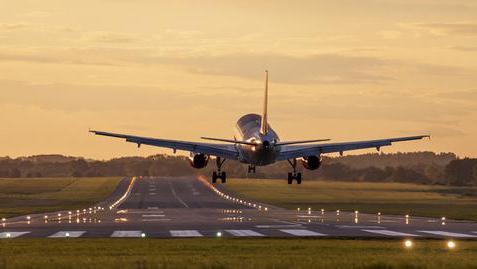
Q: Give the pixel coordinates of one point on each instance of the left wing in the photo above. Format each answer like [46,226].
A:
[292,152]
[225,151]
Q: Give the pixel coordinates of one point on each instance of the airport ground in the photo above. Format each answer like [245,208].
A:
[167,222]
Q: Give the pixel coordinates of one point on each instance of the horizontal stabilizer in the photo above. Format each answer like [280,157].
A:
[300,142]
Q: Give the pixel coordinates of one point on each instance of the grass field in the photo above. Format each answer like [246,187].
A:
[387,198]
[34,195]
[232,253]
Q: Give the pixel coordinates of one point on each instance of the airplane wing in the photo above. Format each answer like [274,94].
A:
[291,152]
[225,151]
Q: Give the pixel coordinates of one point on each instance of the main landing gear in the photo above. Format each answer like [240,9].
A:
[219,174]
[294,175]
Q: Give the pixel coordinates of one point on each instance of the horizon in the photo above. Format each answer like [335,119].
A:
[340,70]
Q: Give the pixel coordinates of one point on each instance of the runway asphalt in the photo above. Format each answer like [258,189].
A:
[166,207]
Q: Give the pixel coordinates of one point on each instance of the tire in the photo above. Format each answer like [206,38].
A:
[214,177]
[298,178]
[223,177]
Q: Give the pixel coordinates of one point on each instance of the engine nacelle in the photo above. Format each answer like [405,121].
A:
[311,162]
[199,161]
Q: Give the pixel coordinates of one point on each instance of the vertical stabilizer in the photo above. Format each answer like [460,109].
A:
[264,123]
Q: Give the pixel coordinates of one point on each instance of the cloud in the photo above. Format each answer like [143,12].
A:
[110,37]
[465,48]
[455,28]
[325,68]
[13,26]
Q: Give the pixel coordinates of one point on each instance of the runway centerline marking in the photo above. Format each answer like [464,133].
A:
[301,232]
[390,233]
[176,196]
[244,233]
[153,215]
[185,233]
[12,234]
[65,234]
[126,234]
[449,234]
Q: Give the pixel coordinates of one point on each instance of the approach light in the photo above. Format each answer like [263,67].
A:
[219,234]
[451,244]
[67,234]
[408,243]
[143,235]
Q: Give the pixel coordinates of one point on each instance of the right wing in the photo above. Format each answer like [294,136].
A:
[292,152]
[225,151]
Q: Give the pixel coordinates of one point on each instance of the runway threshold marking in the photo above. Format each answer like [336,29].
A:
[244,233]
[389,233]
[300,232]
[64,234]
[12,234]
[126,234]
[185,233]
[449,234]
[176,196]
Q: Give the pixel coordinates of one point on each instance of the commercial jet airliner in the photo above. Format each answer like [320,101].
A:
[257,144]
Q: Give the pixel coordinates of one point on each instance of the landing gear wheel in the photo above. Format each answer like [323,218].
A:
[214,177]
[223,176]
[294,174]
[219,174]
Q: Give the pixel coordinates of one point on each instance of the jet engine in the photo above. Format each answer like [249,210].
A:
[311,162]
[199,161]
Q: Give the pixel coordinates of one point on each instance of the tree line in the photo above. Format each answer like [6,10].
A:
[415,167]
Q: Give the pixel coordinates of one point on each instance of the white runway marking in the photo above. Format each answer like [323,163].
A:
[152,193]
[176,196]
[185,233]
[299,232]
[279,226]
[126,234]
[390,233]
[153,207]
[449,234]
[146,220]
[62,234]
[244,233]
[153,215]
[360,227]
[12,234]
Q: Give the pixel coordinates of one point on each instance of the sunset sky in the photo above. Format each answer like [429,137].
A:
[345,70]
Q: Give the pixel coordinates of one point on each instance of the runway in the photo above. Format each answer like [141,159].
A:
[178,207]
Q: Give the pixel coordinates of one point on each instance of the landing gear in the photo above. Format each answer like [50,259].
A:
[294,175]
[251,169]
[219,174]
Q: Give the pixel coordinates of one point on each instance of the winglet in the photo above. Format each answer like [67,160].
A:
[264,122]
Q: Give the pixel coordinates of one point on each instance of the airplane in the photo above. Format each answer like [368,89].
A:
[257,144]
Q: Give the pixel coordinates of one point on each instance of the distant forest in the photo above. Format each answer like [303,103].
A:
[416,167]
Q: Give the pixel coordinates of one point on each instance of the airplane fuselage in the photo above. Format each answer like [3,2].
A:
[266,152]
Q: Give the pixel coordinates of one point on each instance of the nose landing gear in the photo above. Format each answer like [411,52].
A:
[294,175]
[251,169]
[219,174]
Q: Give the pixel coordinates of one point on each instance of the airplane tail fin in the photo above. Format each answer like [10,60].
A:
[264,122]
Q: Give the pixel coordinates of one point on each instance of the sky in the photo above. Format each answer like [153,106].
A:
[344,70]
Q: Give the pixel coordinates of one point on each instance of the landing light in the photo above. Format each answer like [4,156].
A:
[451,244]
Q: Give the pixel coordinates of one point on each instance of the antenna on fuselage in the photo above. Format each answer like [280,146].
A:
[264,122]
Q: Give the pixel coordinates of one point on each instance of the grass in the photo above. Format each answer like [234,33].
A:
[35,195]
[232,253]
[387,198]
